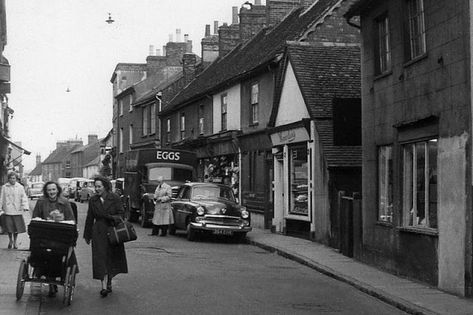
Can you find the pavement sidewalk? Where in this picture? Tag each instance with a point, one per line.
(10, 263)
(409, 296)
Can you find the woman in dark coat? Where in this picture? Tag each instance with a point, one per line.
(105, 210)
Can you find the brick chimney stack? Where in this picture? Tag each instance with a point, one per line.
(215, 27)
(228, 38)
(276, 10)
(189, 61)
(92, 138)
(252, 20)
(209, 45)
(38, 159)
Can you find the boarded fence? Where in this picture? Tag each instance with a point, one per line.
(350, 224)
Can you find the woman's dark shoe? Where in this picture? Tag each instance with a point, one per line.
(103, 292)
(15, 246)
(10, 245)
(109, 286)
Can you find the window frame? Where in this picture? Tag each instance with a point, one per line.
(168, 130)
(415, 42)
(223, 111)
(254, 103)
(130, 109)
(130, 134)
(201, 120)
(120, 107)
(145, 122)
(120, 149)
(385, 184)
(152, 118)
(182, 126)
(383, 53)
(410, 181)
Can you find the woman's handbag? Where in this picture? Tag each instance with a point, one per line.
(121, 233)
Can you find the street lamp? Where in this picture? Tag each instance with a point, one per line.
(109, 20)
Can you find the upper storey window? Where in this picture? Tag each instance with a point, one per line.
(383, 45)
(416, 29)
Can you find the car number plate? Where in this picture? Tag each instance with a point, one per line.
(222, 232)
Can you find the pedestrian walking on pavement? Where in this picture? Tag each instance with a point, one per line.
(13, 201)
(163, 216)
(52, 206)
(105, 210)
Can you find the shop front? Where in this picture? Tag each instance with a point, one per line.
(293, 210)
(218, 160)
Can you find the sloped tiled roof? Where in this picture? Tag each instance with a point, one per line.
(60, 154)
(93, 162)
(325, 73)
(259, 51)
(37, 170)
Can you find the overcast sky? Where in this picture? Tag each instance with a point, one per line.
(54, 45)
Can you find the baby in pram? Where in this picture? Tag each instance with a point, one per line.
(52, 206)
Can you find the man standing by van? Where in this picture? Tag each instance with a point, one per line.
(163, 216)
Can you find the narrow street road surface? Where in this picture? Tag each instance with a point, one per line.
(169, 275)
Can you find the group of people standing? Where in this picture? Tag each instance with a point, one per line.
(105, 210)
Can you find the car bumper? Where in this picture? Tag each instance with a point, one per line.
(217, 227)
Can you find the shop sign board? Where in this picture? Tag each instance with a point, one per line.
(294, 135)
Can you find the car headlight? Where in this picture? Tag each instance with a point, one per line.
(200, 210)
(244, 213)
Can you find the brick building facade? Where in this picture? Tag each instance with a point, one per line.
(417, 118)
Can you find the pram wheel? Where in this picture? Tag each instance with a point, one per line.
(22, 277)
(69, 284)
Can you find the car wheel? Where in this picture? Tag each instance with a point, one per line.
(144, 219)
(191, 233)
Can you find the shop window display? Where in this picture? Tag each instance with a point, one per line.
(299, 188)
(222, 170)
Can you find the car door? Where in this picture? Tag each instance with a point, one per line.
(179, 207)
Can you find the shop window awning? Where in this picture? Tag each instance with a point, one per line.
(3, 139)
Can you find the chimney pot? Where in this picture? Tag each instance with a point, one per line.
(257, 2)
(207, 30)
(234, 15)
(164, 51)
(170, 38)
(215, 27)
(186, 38)
(158, 52)
(178, 35)
(151, 50)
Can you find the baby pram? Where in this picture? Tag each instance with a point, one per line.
(52, 259)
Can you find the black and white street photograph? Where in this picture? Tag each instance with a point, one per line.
(236, 157)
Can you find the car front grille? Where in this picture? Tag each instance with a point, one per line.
(221, 219)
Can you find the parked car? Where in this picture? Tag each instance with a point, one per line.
(209, 208)
(64, 183)
(87, 190)
(35, 190)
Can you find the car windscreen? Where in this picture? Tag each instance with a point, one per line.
(155, 172)
(210, 192)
